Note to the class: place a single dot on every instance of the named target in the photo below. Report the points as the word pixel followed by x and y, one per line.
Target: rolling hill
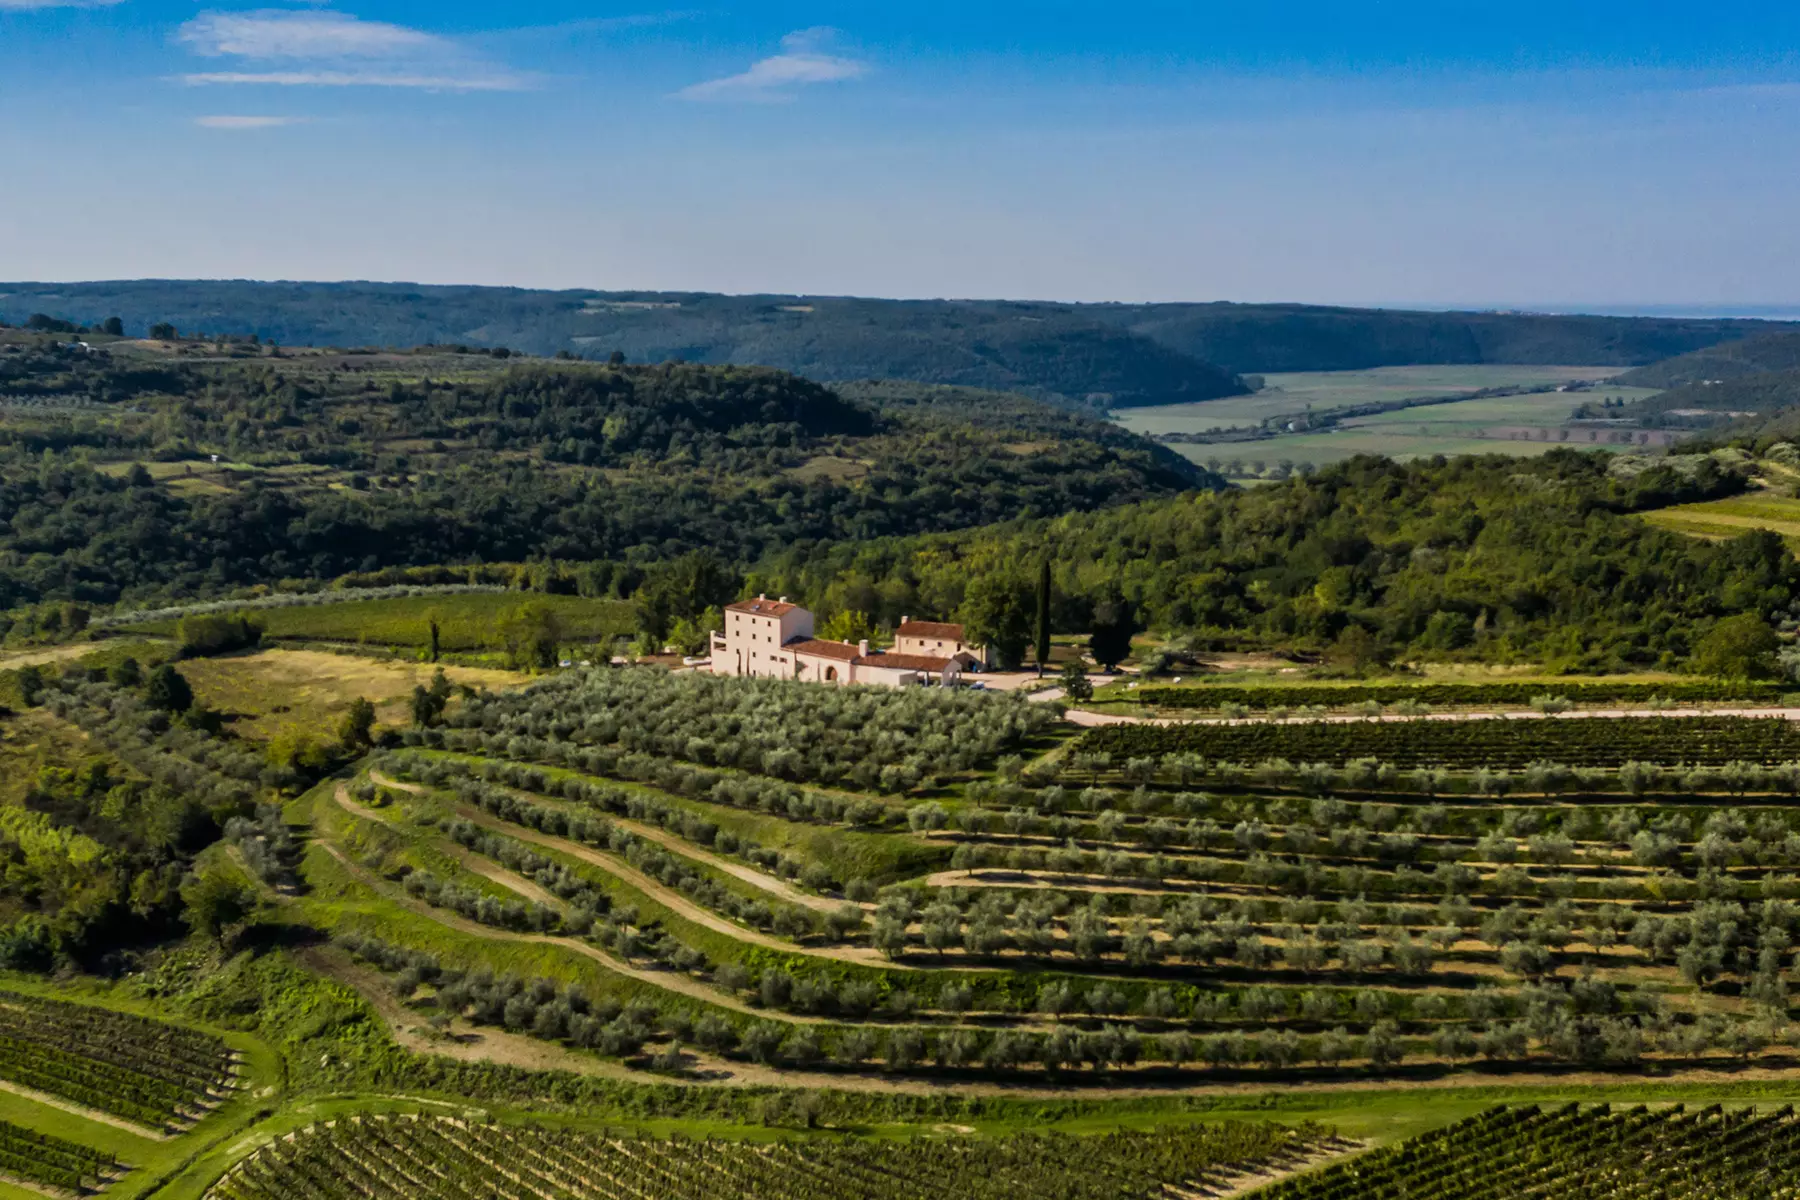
pixel 1778 351
pixel 1092 356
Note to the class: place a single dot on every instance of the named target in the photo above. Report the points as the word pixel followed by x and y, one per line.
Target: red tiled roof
pixel 762 608
pixel 815 648
pixel 930 629
pixel 905 662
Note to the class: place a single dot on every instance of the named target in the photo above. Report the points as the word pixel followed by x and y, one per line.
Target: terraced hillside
pixel 686 873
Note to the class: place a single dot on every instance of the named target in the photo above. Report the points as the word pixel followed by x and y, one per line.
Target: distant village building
pixel 773 639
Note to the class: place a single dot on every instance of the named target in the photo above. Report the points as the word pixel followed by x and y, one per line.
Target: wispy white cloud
pixel 322 48
pixel 247 122
pixel 27 5
pixel 430 83
pixel 283 33
pixel 805 59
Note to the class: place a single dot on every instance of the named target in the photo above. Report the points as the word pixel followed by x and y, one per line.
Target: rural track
pixel 671 899
pixel 660 892
pixel 664 980
pixel 777 887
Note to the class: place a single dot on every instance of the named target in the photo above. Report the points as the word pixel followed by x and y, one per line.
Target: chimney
pixel 762 595
pixel 906 620
pixel 862 648
pixel 784 600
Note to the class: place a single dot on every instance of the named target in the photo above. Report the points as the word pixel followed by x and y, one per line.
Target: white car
pixel 692 661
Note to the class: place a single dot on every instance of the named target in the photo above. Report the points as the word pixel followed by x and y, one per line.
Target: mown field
pixel 467 623
pixel 1719 519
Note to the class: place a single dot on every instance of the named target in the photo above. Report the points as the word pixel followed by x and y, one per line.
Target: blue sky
pixel 1588 153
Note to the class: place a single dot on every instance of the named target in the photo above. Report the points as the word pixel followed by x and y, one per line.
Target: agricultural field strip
pixel 1574 1153
pixel 407 1159
pixel 665 896
pixel 774 886
pixel 850 827
pixel 668 897
pixel 42 1161
pixel 1206 694
pixel 663 980
pixel 149 1073
pixel 1511 742
pixel 608 815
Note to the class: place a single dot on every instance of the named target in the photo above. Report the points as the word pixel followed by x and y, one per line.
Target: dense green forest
pixel 336 464
pixel 1078 354
pixel 1491 557
pixel 1776 351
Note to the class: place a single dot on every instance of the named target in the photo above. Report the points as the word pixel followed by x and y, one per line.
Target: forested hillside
pixel 1711 403
pixel 1084 355
pixel 334 463
pixel 1482 557
pixel 1294 337
pixel 1777 351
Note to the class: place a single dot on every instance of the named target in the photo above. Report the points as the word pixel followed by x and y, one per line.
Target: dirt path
pixel 1010 878
pixel 772 884
pixel 517 884
pixel 668 981
pixel 671 899
pixel 463 1042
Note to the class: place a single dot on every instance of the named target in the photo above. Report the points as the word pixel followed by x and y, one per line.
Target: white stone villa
pixel 773 639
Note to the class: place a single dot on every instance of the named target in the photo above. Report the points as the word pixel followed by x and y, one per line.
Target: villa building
pixel 936 639
pixel 773 639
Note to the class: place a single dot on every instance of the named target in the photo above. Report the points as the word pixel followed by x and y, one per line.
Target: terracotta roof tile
pixel 905 662
pixel 842 651
pixel 931 629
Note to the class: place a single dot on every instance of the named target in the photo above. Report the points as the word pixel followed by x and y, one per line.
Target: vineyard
pixel 1576 1153
pixel 1466 745
pixel 416 1158
pixel 148 1072
pixel 1455 695
pixel 51 1162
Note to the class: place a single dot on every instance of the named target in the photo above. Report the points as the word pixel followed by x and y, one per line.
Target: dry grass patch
pixel 310 689
pixel 31 740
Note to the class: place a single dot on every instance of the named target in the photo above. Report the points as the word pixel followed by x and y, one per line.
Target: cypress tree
pixel 1043 617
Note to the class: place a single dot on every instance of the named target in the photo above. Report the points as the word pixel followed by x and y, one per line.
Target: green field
pixel 468 623
pixel 1325 390
pixel 1521 424
pixel 1732 517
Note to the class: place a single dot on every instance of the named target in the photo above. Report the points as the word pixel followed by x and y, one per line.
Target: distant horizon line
pixel 1674 310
